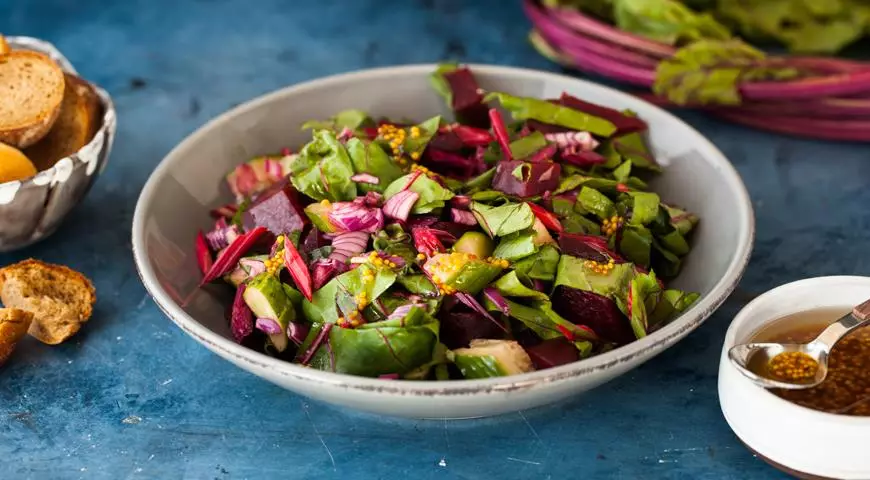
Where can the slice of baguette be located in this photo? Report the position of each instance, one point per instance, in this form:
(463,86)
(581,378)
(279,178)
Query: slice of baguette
(14,165)
(76,125)
(59,298)
(31,91)
(4,46)
(13,327)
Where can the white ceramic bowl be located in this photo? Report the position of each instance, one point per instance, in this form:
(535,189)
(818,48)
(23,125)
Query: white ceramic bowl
(189,181)
(805,441)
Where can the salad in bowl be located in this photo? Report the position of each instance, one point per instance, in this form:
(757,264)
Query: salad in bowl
(508,240)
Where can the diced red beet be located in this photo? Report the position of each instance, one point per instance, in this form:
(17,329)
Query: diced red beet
(590,247)
(455,230)
(459,328)
(545,128)
(242,318)
(447,140)
(582,159)
(624,123)
(278,210)
(594,311)
(552,353)
(449,163)
(324,270)
(467,97)
(537,178)
(312,240)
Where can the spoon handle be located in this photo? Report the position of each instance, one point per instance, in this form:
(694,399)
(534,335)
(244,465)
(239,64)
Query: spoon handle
(859,317)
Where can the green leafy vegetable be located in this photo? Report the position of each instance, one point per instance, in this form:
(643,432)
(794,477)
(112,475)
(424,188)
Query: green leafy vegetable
(373,349)
(440,84)
(322,170)
(516,246)
(645,207)
(667,21)
(510,285)
(524,147)
(503,220)
(596,203)
(432,194)
(339,297)
(352,119)
(710,72)
(369,157)
(428,129)
(524,108)
(636,244)
(539,267)
(573,272)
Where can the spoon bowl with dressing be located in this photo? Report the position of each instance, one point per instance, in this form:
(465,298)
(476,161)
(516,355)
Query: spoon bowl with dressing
(796,366)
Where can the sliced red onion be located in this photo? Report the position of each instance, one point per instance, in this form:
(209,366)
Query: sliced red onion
(243,180)
(269,326)
(473,304)
(350,244)
(462,216)
(399,205)
(241,319)
(496,297)
(297,332)
(353,217)
(222,238)
(366,178)
(389,376)
(253,266)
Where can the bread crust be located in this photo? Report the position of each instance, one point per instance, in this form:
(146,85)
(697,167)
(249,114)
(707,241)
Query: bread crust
(14,324)
(50,330)
(31,130)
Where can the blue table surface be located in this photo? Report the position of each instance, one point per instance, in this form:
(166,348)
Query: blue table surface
(132,397)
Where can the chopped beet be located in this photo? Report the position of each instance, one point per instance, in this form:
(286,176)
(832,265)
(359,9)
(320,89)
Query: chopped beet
(590,247)
(582,159)
(449,163)
(594,311)
(552,353)
(537,178)
(314,239)
(624,123)
(545,128)
(467,97)
(278,211)
(458,328)
(453,228)
(446,140)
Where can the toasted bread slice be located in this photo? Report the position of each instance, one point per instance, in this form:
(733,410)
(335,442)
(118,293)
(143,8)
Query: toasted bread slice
(59,298)
(76,125)
(4,46)
(13,327)
(31,91)
(14,165)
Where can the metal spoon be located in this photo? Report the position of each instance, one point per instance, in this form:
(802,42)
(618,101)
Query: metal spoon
(819,349)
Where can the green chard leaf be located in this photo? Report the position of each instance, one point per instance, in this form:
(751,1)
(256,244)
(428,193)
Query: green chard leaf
(573,272)
(432,194)
(418,284)
(710,72)
(479,183)
(526,146)
(339,296)
(632,147)
(503,220)
(387,347)
(510,285)
(672,303)
(682,220)
(667,21)
(636,244)
(428,129)
(516,246)
(352,119)
(541,266)
(645,207)
(322,170)
(596,203)
(643,297)
(524,108)
(369,157)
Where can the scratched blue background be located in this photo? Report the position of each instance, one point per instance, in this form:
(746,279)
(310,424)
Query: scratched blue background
(132,397)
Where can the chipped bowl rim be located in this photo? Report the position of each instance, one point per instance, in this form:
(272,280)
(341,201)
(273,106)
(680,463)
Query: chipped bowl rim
(109,115)
(637,351)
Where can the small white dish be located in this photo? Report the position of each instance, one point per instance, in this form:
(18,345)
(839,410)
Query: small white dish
(804,442)
(175,202)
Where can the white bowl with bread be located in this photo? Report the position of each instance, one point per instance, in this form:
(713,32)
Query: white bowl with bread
(56,132)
